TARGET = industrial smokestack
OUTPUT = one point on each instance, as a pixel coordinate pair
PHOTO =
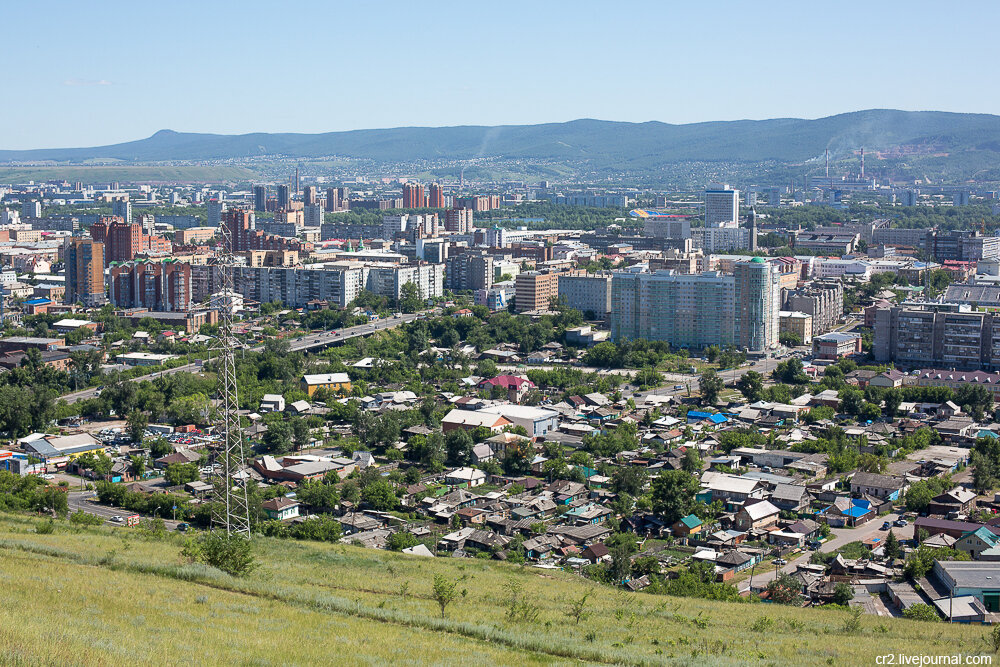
(828, 163)
(862, 162)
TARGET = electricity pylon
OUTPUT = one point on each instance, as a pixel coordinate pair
(233, 513)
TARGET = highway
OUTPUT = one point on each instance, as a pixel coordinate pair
(303, 343)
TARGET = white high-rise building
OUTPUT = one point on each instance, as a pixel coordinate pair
(722, 206)
(758, 301)
(215, 209)
(123, 209)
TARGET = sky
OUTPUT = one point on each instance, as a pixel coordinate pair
(87, 74)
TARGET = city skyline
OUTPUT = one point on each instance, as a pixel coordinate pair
(550, 64)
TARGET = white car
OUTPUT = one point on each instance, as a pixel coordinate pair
(117, 519)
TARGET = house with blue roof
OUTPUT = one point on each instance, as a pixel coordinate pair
(696, 416)
(847, 512)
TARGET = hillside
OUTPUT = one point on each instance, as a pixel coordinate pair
(597, 143)
(95, 596)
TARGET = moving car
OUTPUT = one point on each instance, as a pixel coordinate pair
(780, 561)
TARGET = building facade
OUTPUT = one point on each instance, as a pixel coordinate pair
(758, 301)
(534, 290)
(588, 293)
(85, 273)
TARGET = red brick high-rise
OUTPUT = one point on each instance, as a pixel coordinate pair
(237, 221)
(435, 198)
(122, 240)
(154, 285)
(413, 196)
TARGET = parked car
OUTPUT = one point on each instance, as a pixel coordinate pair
(886, 525)
(780, 561)
(901, 522)
(182, 527)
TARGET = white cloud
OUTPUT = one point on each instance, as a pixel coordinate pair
(87, 82)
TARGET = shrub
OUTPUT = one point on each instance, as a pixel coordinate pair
(232, 554)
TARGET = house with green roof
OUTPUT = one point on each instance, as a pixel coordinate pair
(688, 526)
(977, 541)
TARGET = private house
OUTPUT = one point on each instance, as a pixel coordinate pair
(731, 488)
(280, 508)
(272, 403)
(537, 422)
(957, 501)
(790, 498)
(473, 419)
(332, 382)
(515, 386)
(847, 512)
(977, 541)
(756, 516)
(729, 563)
(878, 486)
(688, 526)
(470, 477)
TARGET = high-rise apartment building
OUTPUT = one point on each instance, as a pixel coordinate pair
(239, 222)
(122, 208)
(31, 209)
(758, 303)
(690, 311)
(459, 220)
(215, 209)
(534, 290)
(309, 197)
(469, 270)
(162, 286)
(590, 293)
(85, 272)
(937, 336)
(823, 299)
(122, 240)
(413, 196)
(260, 198)
(435, 197)
(333, 199)
(722, 206)
(284, 198)
(313, 214)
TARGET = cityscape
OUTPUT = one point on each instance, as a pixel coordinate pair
(434, 385)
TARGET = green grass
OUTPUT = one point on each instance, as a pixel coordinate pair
(110, 596)
(128, 173)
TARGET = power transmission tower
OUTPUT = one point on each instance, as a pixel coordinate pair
(233, 513)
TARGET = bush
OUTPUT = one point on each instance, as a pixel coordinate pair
(232, 554)
(82, 518)
(922, 612)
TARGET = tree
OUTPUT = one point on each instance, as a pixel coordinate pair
(409, 298)
(380, 495)
(842, 594)
(673, 495)
(711, 386)
(177, 474)
(159, 447)
(851, 400)
(691, 461)
(784, 590)
(751, 385)
(577, 608)
(444, 592)
(789, 339)
(278, 437)
(629, 479)
(137, 422)
(986, 462)
(401, 540)
(137, 465)
(893, 550)
(459, 445)
(790, 372)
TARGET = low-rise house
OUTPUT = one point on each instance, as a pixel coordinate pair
(473, 419)
(272, 403)
(976, 541)
(332, 382)
(280, 508)
(790, 498)
(688, 526)
(596, 553)
(731, 488)
(847, 512)
(956, 501)
(756, 516)
(470, 477)
(878, 486)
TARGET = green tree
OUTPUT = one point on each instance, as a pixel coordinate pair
(842, 594)
(986, 464)
(711, 386)
(381, 495)
(922, 612)
(751, 385)
(444, 592)
(137, 423)
(784, 590)
(401, 540)
(278, 437)
(459, 444)
(893, 550)
(691, 462)
(409, 298)
(673, 495)
(230, 553)
(177, 474)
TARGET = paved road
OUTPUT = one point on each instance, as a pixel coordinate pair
(87, 501)
(841, 536)
(307, 342)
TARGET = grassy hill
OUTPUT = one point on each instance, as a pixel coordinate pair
(97, 596)
(594, 142)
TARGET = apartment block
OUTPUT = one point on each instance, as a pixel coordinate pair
(822, 299)
(943, 336)
(85, 273)
(588, 293)
(161, 286)
(534, 290)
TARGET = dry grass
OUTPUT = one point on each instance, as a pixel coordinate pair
(378, 606)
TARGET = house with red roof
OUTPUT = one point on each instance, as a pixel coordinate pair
(516, 385)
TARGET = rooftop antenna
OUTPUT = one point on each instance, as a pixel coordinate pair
(233, 513)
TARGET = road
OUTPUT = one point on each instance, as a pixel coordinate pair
(306, 342)
(841, 536)
(87, 501)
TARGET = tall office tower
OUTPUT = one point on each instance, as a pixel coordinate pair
(458, 220)
(758, 303)
(435, 198)
(313, 215)
(309, 195)
(215, 209)
(752, 225)
(31, 209)
(774, 197)
(722, 206)
(413, 195)
(332, 199)
(122, 208)
(260, 198)
(284, 201)
(85, 272)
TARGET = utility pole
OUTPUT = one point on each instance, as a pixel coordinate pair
(233, 513)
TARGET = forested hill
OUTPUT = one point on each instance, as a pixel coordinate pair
(595, 142)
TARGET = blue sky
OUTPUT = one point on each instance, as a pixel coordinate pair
(83, 74)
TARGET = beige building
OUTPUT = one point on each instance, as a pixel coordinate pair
(535, 291)
(796, 322)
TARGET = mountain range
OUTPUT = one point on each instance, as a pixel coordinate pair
(595, 142)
